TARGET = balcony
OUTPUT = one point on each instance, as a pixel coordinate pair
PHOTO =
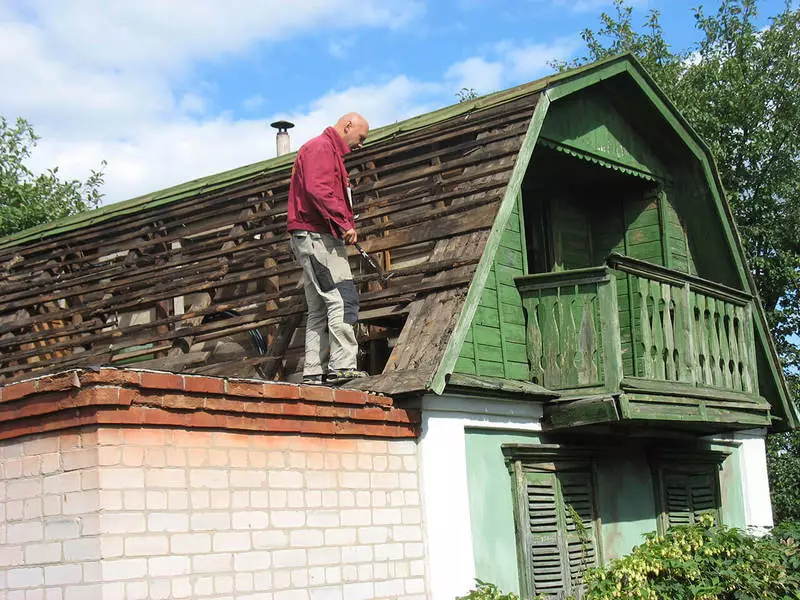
(633, 341)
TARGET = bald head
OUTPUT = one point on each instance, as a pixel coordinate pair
(353, 128)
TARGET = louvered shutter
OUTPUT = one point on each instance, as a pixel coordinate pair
(688, 494)
(547, 565)
(576, 491)
(557, 554)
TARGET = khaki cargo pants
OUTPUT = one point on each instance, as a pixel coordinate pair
(332, 302)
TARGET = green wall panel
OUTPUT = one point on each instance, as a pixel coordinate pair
(495, 344)
(491, 506)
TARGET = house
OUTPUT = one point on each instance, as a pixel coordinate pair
(569, 353)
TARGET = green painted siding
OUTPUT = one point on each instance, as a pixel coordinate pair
(589, 122)
(626, 502)
(495, 343)
(491, 506)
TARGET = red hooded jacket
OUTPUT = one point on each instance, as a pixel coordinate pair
(318, 191)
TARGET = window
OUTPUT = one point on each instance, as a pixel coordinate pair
(687, 486)
(556, 519)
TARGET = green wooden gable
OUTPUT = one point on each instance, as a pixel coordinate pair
(611, 185)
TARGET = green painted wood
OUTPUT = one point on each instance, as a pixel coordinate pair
(465, 365)
(563, 340)
(490, 369)
(610, 330)
(489, 298)
(590, 124)
(507, 206)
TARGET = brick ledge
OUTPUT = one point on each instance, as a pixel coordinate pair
(129, 397)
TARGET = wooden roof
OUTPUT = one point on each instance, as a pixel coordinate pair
(196, 278)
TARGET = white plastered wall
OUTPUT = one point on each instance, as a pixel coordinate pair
(446, 511)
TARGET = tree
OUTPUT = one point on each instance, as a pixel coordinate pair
(739, 87)
(26, 199)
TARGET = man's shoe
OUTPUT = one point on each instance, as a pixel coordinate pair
(313, 379)
(337, 376)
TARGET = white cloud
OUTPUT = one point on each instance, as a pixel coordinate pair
(533, 60)
(476, 73)
(111, 79)
(586, 6)
(99, 80)
(341, 48)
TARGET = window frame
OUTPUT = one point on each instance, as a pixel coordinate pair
(542, 459)
(692, 463)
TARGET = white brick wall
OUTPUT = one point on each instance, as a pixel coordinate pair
(155, 513)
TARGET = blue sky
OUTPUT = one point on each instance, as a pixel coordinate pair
(169, 90)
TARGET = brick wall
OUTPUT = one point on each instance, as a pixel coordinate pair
(190, 514)
(146, 511)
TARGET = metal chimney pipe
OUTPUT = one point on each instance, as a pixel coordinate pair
(283, 143)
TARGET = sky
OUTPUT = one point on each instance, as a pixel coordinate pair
(170, 90)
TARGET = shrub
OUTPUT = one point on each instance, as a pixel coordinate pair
(697, 562)
(703, 562)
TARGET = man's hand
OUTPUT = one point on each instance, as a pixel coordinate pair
(350, 236)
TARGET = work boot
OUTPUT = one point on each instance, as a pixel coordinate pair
(337, 376)
(314, 379)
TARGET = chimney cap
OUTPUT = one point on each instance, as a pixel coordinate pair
(282, 126)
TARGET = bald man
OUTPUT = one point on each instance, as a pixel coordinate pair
(320, 221)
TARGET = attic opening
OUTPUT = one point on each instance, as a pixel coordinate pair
(578, 212)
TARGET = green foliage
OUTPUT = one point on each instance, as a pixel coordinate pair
(697, 562)
(783, 462)
(465, 94)
(487, 591)
(703, 562)
(26, 199)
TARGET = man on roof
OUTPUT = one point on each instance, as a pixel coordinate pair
(320, 221)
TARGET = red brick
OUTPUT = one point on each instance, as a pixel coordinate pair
(349, 428)
(58, 382)
(299, 409)
(316, 427)
(104, 395)
(372, 413)
(121, 416)
(317, 393)
(263, 407)
(204, 385)
(350, 397)
(379, 400)
(15, 391)
(110, 377)
(281, 391)
(404, 415)
(205, 420)
(242, 422)
(156, 416)
(127, 396)
(334, 412)
(161, 381)
(40, 405)
(244, 388)
(181, 401)
(224, 405)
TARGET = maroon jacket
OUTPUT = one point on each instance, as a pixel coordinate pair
(318, 192)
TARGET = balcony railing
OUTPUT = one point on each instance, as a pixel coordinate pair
(633, 320)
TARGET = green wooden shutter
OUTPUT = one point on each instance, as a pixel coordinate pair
(547, 565)
(576, 491)
(688, 494)
(557, 554)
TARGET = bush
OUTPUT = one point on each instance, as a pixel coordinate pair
(487, 591)
(697, 562)
(703, 562)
